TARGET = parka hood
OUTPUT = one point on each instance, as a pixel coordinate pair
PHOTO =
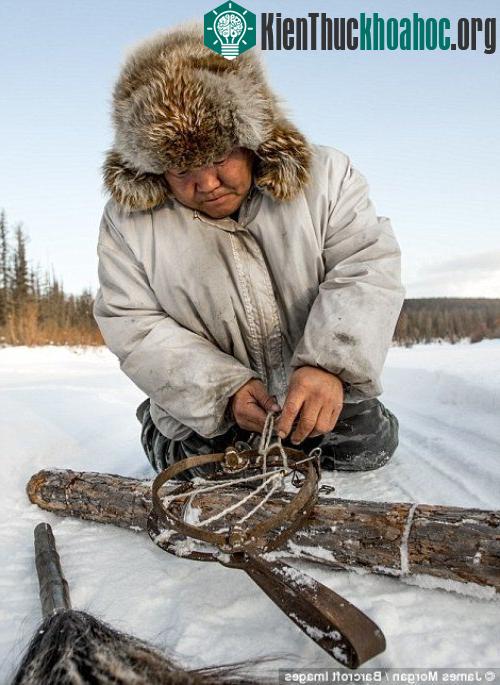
(179, 104)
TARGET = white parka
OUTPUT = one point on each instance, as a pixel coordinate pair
(194, 307)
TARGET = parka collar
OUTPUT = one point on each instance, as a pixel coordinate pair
(248, 211)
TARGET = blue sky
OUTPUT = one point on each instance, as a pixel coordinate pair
(424, 128)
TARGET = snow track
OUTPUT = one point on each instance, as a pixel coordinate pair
(62, 408)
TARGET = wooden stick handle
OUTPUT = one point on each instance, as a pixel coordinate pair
(54, 590)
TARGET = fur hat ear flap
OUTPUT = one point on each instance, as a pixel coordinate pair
(132, 189)
(283, 162)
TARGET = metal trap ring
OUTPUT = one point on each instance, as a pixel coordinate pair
(168, 510)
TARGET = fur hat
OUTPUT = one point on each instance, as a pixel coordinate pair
(179, 104)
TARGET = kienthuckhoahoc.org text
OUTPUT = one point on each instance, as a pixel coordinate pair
(318, 31)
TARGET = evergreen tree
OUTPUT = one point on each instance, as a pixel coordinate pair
(21, 279)
(4, 269)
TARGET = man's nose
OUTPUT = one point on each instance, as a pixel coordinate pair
(207, 180)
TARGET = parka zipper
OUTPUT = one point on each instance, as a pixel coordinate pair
(265, 348)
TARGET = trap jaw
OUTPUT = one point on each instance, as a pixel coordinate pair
(167, 525)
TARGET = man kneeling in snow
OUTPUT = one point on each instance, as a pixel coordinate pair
(242, 269)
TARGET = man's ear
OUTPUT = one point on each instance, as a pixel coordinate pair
(251, 156)
(167, 185)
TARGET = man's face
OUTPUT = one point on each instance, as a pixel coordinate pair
(216, 190)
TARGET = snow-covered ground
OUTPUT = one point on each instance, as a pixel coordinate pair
(65, 408)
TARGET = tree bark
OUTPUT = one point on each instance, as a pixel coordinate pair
(398, 539)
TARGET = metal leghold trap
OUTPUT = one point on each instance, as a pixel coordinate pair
(242, 530)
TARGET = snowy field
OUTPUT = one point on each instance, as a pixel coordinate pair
(64, 408)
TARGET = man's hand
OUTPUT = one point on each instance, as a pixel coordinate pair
(317, 396)
(251, 404)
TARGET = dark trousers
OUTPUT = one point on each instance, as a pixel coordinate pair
(364, 438)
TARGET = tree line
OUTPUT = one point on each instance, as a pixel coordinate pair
(448, 319)
(35, 310)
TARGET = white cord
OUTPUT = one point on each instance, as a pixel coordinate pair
(403, 548)
(239, 503)
(230, 481)
(265, 446)
(260, 504)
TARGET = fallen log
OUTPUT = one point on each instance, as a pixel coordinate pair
(436, 545)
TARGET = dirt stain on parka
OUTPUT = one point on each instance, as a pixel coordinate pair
(345, 339)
